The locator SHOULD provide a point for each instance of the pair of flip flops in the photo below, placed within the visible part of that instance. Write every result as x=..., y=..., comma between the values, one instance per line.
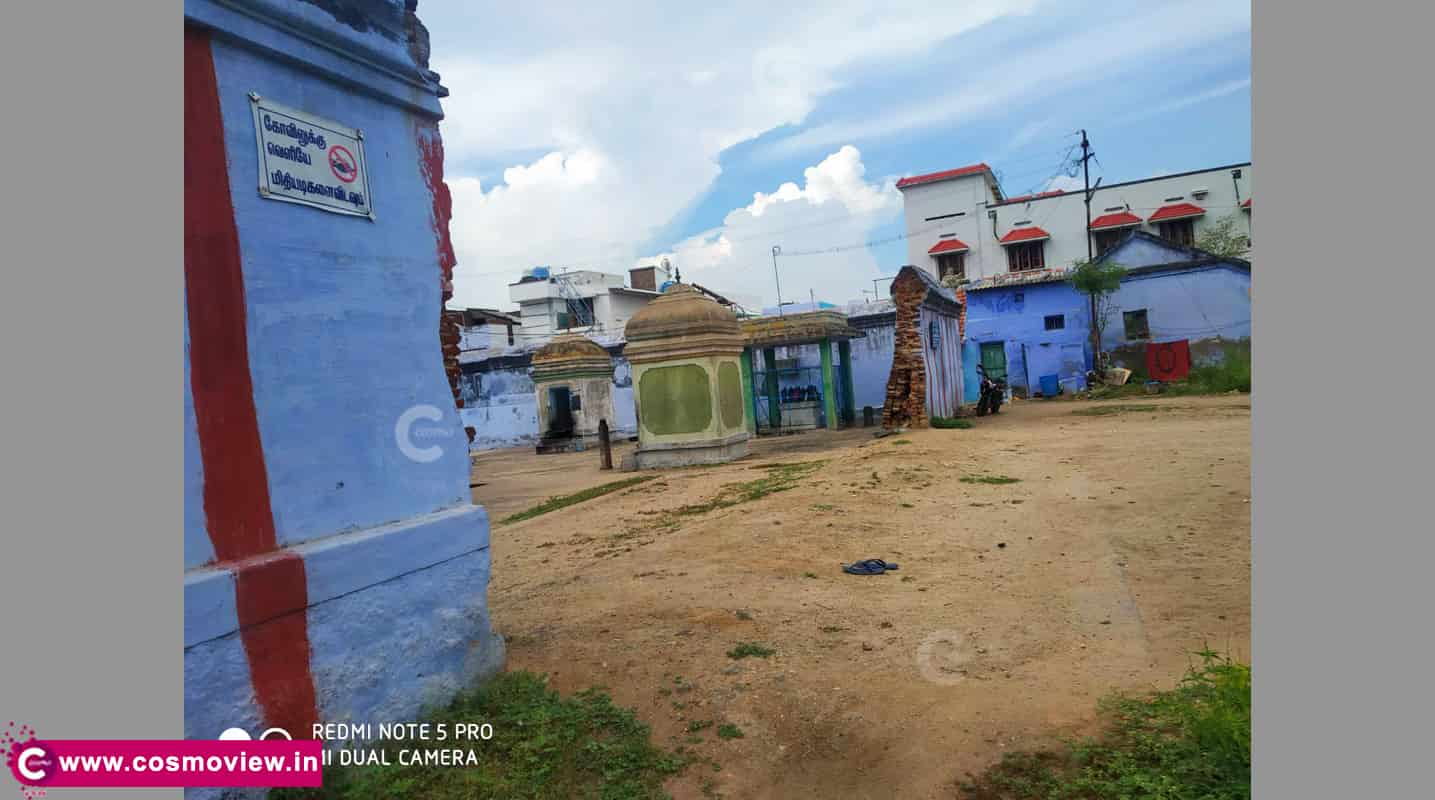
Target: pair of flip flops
x=871, y=566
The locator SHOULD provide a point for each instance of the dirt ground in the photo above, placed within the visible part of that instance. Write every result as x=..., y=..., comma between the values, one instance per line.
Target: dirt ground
x=1124, y=547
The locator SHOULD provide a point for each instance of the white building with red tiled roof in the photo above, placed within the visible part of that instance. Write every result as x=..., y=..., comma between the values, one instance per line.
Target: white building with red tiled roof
x=959, y=222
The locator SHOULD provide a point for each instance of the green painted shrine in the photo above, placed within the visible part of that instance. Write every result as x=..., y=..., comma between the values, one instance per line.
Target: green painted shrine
x=685, y=352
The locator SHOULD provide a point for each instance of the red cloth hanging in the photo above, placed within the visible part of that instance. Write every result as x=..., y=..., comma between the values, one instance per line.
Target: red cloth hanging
x=1168, y=361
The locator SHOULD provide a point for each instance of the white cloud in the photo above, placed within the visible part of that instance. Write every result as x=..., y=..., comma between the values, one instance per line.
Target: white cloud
x=1212, y=93
x=1051, y=66
x=610, y=118
x=632, y=109
x=1064, y=183
x=835, y=206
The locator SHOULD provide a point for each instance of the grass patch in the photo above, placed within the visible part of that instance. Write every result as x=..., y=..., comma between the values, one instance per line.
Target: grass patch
x=901, y=441
x=1192, y=742
x=563, y=501
x=1132, y=388
x=951, y=422
x=779, y=478
x=743, y=615
x=728, y=730
x=1231, y=374
x=745, y=649
x=1106, y=411
x=544, y=746
x=809, y=574
x=993, y=479
x=699, y=725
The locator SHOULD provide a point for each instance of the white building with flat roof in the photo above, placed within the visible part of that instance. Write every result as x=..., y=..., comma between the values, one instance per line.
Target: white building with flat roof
x=580, y=301
x=959, y=222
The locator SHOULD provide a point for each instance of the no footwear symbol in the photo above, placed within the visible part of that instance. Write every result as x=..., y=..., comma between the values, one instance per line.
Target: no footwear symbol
x=342, y=164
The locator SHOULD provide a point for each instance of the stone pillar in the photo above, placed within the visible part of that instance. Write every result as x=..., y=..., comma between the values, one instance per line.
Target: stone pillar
x=906, y=403
x=829, y=397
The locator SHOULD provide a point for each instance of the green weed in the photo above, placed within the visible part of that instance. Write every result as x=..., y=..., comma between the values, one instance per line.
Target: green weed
x=779, y=478
x=951, y=422
x=1231, y=374
x=544, y=746
x=1192, y=742
x=1128, y=408
x=563, y=501
x=745, y=649
x=994, y=479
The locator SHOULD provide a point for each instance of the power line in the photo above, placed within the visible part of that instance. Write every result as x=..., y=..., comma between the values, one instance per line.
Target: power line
x=869, y=243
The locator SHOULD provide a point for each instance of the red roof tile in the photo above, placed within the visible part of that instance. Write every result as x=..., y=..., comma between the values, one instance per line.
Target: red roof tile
x=1176, y=211
x=1246, y=204
x=1121, y=219
x=948, y=246
x=1022, y=198
x=933, y=177
x=1031, y=234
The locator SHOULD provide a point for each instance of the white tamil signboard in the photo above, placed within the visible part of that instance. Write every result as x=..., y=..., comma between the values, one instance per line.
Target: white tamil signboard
x=310, y=160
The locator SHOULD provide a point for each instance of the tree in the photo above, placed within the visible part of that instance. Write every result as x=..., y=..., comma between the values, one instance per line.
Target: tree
x=1224, y=238
x=1098, y=281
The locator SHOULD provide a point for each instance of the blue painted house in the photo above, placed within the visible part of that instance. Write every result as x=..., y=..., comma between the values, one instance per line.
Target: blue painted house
x=1034, y=325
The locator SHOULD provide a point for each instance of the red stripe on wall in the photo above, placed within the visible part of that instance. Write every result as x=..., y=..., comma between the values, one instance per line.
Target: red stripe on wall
x=236, y=487
x=270, y=594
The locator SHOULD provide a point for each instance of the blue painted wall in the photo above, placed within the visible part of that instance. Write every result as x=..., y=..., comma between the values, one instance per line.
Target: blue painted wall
x=971, y=357
x=343, y=318
x=1015, y=316
x=872, y=364
x=1198, y=303
x=343, y=334
x=943, y=362
x=1202, y=304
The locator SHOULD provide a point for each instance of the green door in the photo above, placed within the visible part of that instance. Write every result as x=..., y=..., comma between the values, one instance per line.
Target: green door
x=994, y=359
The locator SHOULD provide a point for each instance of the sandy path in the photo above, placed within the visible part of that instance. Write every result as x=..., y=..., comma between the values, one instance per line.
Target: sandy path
x=1127, y=546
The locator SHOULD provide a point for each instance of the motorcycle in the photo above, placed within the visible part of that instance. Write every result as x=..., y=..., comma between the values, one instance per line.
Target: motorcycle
x=990, y=394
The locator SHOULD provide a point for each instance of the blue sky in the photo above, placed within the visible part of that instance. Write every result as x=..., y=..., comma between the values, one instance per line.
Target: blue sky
x=603, y=138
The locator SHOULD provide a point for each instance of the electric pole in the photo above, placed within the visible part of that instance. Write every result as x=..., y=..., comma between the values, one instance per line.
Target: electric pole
x=776, y=278
x=1086, y=178
x=1086, y=155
